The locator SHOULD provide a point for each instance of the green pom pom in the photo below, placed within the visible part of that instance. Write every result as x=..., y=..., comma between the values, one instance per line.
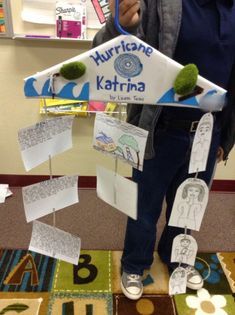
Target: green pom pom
x=73, y=70
x=186, y=80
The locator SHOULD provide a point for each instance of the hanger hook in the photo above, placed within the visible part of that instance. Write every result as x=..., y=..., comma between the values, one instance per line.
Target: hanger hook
x=116, y=20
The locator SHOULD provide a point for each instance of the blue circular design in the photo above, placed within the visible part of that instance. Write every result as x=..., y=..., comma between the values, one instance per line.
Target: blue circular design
x=215, y=259
x=199, y=265
x=128, y=65
x=213, y=266
x=213, y=278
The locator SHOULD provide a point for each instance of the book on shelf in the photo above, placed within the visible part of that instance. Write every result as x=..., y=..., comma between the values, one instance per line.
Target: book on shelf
x=71, y=19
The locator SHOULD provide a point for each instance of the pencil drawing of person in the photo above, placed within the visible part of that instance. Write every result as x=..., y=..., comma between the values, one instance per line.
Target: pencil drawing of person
x=191, y=206
x=183, y=252
x=177, y=281
x=201, y=146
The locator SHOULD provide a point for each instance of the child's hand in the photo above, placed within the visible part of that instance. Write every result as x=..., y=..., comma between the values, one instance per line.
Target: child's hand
x=128, y=11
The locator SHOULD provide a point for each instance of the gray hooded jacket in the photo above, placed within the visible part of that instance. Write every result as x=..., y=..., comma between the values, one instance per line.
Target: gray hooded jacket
x=159, y=27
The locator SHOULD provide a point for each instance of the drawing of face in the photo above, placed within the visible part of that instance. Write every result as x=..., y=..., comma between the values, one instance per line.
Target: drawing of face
x=178, y=274
x=193, y=192
x=185, y=242
x=203, y=130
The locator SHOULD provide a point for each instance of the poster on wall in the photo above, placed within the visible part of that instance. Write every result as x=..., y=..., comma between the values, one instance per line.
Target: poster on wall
x=6, y=29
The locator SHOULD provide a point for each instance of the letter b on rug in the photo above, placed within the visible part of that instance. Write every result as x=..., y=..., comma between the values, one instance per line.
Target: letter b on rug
x=84, y=272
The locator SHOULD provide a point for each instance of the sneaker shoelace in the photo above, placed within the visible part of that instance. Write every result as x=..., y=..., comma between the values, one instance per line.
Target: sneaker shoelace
x=133, y=279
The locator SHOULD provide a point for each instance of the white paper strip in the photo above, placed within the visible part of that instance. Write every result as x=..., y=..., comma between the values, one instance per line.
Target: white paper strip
x=120, y=139
x=40, y=199
x=184, y=249
x=117, y=191
x=48, y=137
x=3, y=192
x=190, y=204
x=50, y=241
x=201, y=144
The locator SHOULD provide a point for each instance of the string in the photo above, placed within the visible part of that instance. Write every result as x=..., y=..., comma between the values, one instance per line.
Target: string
x=50, y=173
x=116, y=158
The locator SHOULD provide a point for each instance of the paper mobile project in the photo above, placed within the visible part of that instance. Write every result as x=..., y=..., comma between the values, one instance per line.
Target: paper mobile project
x=120, y=71
x=50, y=195
x=178, y=281
x=117, y=191
x=201, y=144
x=189, y=204
x=50, y=241
x=46, y=138
x=120, y=139
x=184, y=249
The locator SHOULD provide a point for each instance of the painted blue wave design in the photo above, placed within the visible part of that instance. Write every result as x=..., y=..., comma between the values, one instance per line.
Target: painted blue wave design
x=168, y=98
x=211, y=92
x=46, y=91
x=67, y=92
x=29, y=89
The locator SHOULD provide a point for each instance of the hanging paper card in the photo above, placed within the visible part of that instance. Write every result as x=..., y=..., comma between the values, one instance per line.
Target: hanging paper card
x=201, y=144
x=117, y=191
x=177, y=282
x=120, y=139
x=48, y=196
x=48, y=137
x=184, y=249
x=189, y=204
x=119, y=71
x=50, y=241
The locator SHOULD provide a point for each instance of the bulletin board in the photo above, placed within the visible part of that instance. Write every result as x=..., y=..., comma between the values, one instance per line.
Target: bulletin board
x=6, y=29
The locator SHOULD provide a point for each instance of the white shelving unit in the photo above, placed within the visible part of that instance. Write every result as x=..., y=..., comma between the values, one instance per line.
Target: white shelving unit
x=50, y=38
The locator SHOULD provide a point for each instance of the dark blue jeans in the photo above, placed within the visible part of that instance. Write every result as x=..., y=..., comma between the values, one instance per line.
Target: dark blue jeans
x=160, y=178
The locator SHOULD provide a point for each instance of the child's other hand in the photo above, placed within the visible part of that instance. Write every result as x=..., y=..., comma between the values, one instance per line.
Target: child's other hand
x=128, y=11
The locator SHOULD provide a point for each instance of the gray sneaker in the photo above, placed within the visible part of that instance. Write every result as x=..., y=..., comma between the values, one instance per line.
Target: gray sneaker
x=132, y=285
x=194, y=279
